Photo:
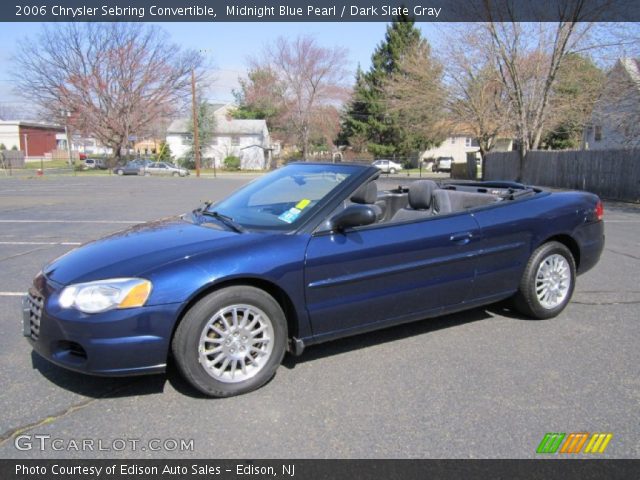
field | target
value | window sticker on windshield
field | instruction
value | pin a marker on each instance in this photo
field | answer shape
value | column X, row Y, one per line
column 290, row 215
column 302, row 204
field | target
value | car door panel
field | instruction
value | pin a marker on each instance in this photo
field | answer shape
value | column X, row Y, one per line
column 374, row 274
column 507, row 232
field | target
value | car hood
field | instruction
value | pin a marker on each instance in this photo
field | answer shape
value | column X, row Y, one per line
column 141, row 249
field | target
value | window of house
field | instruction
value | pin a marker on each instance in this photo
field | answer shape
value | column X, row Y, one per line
column 453, row 140
column 598, row 133
column 468, row 141
column 235, row 141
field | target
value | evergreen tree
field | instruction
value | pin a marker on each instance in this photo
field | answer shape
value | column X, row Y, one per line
column 206, row 128
column 366, row 120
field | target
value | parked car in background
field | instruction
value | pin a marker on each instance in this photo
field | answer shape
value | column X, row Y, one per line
column 165, row 168
column 95, row 163
column 442, row 164
column 135, row 167
column 308, row 253
column 387, row 166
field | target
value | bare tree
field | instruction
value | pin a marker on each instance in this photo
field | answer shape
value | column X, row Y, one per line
column 110, row 80
column 528, row 55
column 310, row 78
column 617, row 109
column 9, row 112
column 477, row 99
column 415, row 95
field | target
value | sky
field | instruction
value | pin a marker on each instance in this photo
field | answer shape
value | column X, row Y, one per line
column 227, row 46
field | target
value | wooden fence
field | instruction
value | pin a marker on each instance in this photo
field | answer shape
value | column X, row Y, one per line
column 612, row 174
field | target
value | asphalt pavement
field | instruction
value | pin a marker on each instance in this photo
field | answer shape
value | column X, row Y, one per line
column 485, row 383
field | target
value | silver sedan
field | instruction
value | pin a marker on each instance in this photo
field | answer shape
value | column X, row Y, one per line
column 164, row 168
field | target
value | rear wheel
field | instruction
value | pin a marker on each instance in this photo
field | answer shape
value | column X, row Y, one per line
column 392, row 171
column 548, row 281
column 231, row 342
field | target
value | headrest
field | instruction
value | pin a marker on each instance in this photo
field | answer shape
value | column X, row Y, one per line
column 420, row 193
column 366, row 194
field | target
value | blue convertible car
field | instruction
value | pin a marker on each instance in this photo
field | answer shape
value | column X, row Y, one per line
column 305, row 254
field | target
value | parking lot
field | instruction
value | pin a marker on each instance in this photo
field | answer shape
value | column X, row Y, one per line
column 483, row 383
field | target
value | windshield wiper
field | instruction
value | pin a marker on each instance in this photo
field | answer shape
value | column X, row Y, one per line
column 228, row 221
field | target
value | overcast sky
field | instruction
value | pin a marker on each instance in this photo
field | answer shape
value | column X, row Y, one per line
column 227, row 44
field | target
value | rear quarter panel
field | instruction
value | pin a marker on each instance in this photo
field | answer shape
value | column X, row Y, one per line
column 513, row 230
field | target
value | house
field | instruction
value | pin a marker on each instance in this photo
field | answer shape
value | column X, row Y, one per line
column 147, row 146
column 246, row 139
column 615, row 121
column 35, row 139
column 83, row 145
column 456, row 145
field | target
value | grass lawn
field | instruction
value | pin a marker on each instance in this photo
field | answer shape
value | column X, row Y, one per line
column 47, row 164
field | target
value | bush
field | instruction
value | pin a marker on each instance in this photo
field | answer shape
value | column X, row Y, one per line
column 231, row 163
column 164, row 152
column 2, row 146
column 187, row 162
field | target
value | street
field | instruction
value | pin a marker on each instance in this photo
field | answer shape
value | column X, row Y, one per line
column 485, row 383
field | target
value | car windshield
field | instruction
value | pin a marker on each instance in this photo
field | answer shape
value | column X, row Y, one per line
column 282, row 199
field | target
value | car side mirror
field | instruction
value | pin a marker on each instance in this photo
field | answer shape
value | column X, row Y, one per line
column 355, row 215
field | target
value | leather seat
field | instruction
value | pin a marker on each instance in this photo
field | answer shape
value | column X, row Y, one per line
column 420, row 201
column 368, row 195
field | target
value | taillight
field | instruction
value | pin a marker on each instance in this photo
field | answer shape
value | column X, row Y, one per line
column 599, row 210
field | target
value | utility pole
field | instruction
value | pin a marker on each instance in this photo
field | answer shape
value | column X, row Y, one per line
column 66, row 115
column 196, row 146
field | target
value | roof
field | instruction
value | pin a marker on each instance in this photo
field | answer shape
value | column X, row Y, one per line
column 224, row 126
column 632, row 66
column 22, row 123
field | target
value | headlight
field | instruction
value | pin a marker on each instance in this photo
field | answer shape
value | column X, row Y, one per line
column 94, row 297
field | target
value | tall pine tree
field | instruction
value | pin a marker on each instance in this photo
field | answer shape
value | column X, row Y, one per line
column 366, row 123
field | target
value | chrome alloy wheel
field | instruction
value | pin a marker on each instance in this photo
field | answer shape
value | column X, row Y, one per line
column 236, row 343
column 553, row 281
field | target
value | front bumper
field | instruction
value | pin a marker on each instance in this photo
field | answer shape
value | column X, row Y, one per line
column 118, row 342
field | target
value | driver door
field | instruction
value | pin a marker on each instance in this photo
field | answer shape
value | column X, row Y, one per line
column 384, row 274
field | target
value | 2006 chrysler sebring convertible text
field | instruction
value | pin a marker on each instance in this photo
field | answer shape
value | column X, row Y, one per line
column 308, row 253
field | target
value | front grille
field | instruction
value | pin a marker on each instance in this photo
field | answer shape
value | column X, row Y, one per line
column 36, row 304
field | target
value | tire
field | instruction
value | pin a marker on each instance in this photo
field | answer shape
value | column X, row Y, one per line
column 119, row 172
column 175, row 174
column 554, row 263
column 209, row 326
column 434, row 169
column 392, row 171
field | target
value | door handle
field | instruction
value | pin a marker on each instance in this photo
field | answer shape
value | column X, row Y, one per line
column 461, row 238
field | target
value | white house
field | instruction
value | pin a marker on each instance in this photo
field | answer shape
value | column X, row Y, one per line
column 456, row 145
column 246, row 139
column 615, row 121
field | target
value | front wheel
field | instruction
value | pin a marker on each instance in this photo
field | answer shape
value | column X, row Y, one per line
column 231, row 342
column 548, row 281
column 120, row 172
column 392, row 171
